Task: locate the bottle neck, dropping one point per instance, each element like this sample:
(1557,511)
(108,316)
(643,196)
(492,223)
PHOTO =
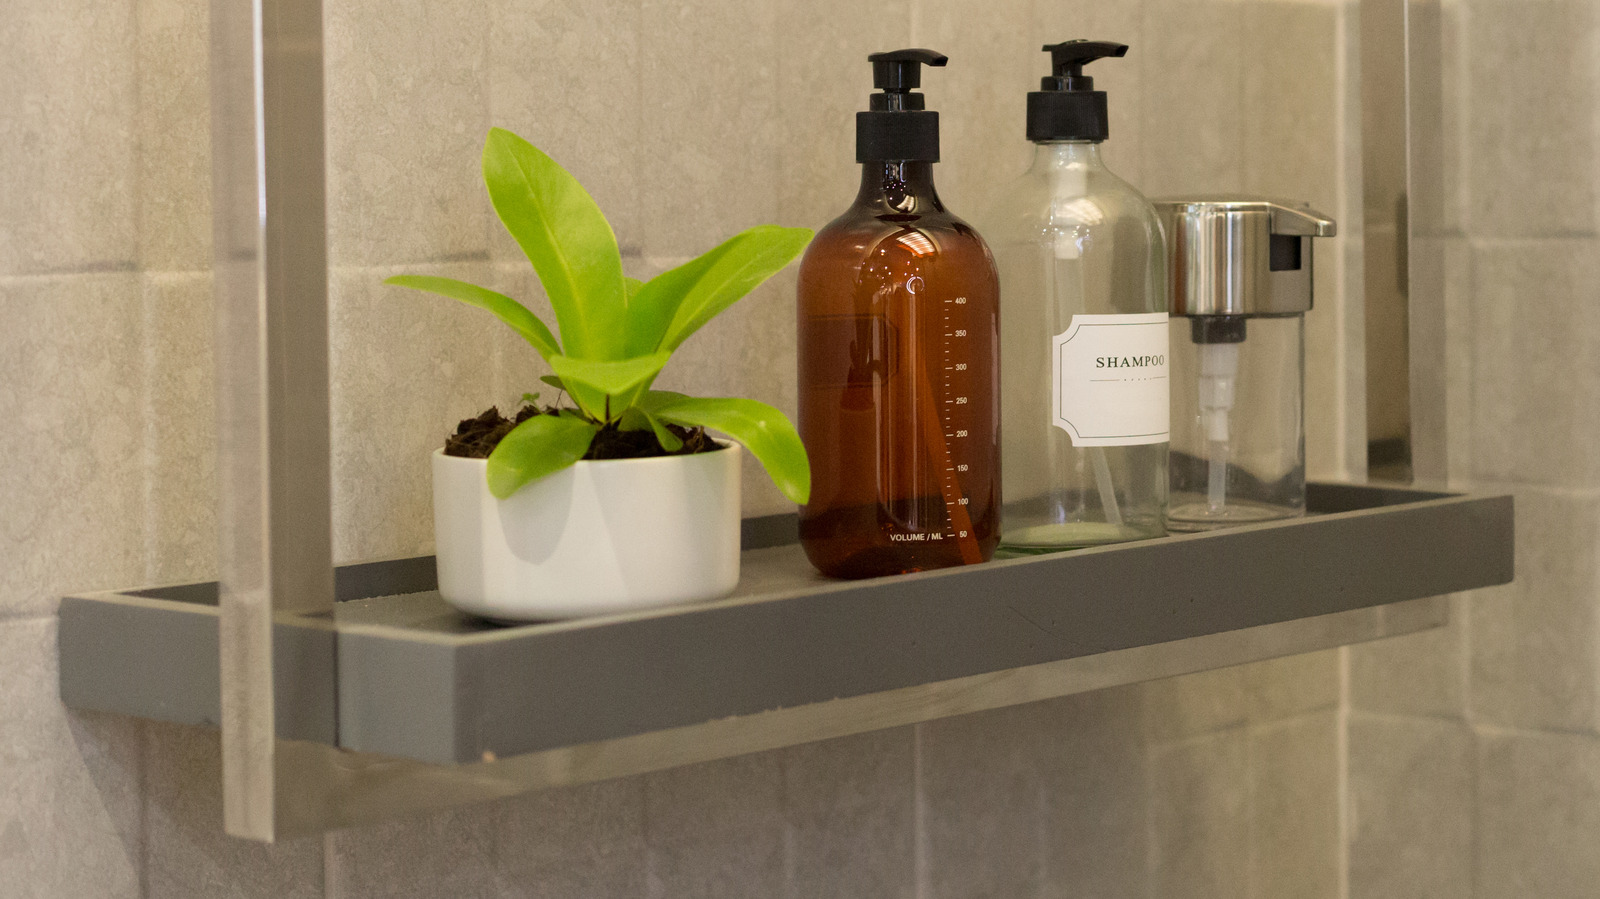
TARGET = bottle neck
(899,187)
(1065,154)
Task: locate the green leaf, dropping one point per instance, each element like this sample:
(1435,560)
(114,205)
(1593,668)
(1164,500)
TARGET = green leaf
(530,398)
(590,382)
(505,308)
(609,377)
(630,287)
(542,445)
(765,431)
(565,236)
(636,419)
(554,381)
(676,303)
(668,440)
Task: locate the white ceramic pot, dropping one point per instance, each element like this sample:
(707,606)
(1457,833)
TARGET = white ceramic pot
(601,536)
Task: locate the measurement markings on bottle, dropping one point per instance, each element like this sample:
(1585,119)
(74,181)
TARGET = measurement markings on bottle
(955,348)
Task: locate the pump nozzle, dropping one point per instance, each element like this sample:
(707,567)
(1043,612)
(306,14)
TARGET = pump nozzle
(1068,58)
(899,72)
(1066,106)
(898,125)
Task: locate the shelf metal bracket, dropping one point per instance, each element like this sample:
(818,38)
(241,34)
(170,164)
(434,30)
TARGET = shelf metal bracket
(274,494)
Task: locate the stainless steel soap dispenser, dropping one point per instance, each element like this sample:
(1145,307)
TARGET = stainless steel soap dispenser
(1241,286)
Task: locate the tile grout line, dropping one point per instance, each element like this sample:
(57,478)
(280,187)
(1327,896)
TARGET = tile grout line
(143,779)
(148,431)
(1342,774)
(919,818)
(1151,859)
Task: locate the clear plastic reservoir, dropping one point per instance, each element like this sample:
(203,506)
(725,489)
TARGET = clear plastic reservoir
(1238,446)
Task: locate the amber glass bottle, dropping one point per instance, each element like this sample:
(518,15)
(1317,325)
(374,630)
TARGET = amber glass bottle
(898,359)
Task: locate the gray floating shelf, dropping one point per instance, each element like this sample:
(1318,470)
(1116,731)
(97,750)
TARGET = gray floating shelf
(418,680)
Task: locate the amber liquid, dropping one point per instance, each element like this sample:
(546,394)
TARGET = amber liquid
(899,385)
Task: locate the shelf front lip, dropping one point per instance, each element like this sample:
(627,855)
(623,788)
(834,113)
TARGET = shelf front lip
(453,698)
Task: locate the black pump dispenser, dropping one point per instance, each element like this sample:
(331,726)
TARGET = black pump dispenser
(1066,106)
(898,126)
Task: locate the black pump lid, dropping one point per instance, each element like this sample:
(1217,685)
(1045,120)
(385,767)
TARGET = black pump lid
(1066,106)
(898,127)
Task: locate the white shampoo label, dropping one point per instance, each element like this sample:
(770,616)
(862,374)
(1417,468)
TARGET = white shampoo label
(1110,385)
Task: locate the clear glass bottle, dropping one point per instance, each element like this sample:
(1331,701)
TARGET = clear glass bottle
(1084,402)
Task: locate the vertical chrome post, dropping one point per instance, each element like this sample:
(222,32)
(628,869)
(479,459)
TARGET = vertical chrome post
(1403,227)
(272,375)
(1426,232)
(1384,237)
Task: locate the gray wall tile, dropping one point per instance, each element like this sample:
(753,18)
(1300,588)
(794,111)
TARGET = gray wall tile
(851,805)
(735,866)
(614,876)
(1292,685)
(406,366)
(1538,816)
(1124,80)
(1177,708)
(406,115)
(1417,674)
(174,129)
(1292,100)
(71,366)
(710,112)
(817,127)
(567,827)
(1411,808)
(1095,835)
(186,852)
(566,76)
(517,365)
(69,782)
(180,430)
(1534,641)
(1200,817)
(1532,151)
(1038,799)
(447,853)
(980,96)
(69,185)
(1193,129)
(1536,336)
(696,803)
(716,829)
(1294,808)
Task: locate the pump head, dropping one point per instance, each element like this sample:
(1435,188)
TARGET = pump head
(897,126)
(1068,58)
(1066,106)
(898,73)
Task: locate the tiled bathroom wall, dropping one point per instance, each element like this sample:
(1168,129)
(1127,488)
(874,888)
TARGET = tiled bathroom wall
(1417,767)
(1475,751)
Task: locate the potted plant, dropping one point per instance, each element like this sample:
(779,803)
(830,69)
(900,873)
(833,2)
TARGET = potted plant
(617,500)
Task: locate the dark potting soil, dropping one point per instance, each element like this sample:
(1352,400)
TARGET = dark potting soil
(476,438)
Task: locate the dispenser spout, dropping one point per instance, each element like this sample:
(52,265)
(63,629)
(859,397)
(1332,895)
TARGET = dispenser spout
(899,72)
(897,124)
(1068,58)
